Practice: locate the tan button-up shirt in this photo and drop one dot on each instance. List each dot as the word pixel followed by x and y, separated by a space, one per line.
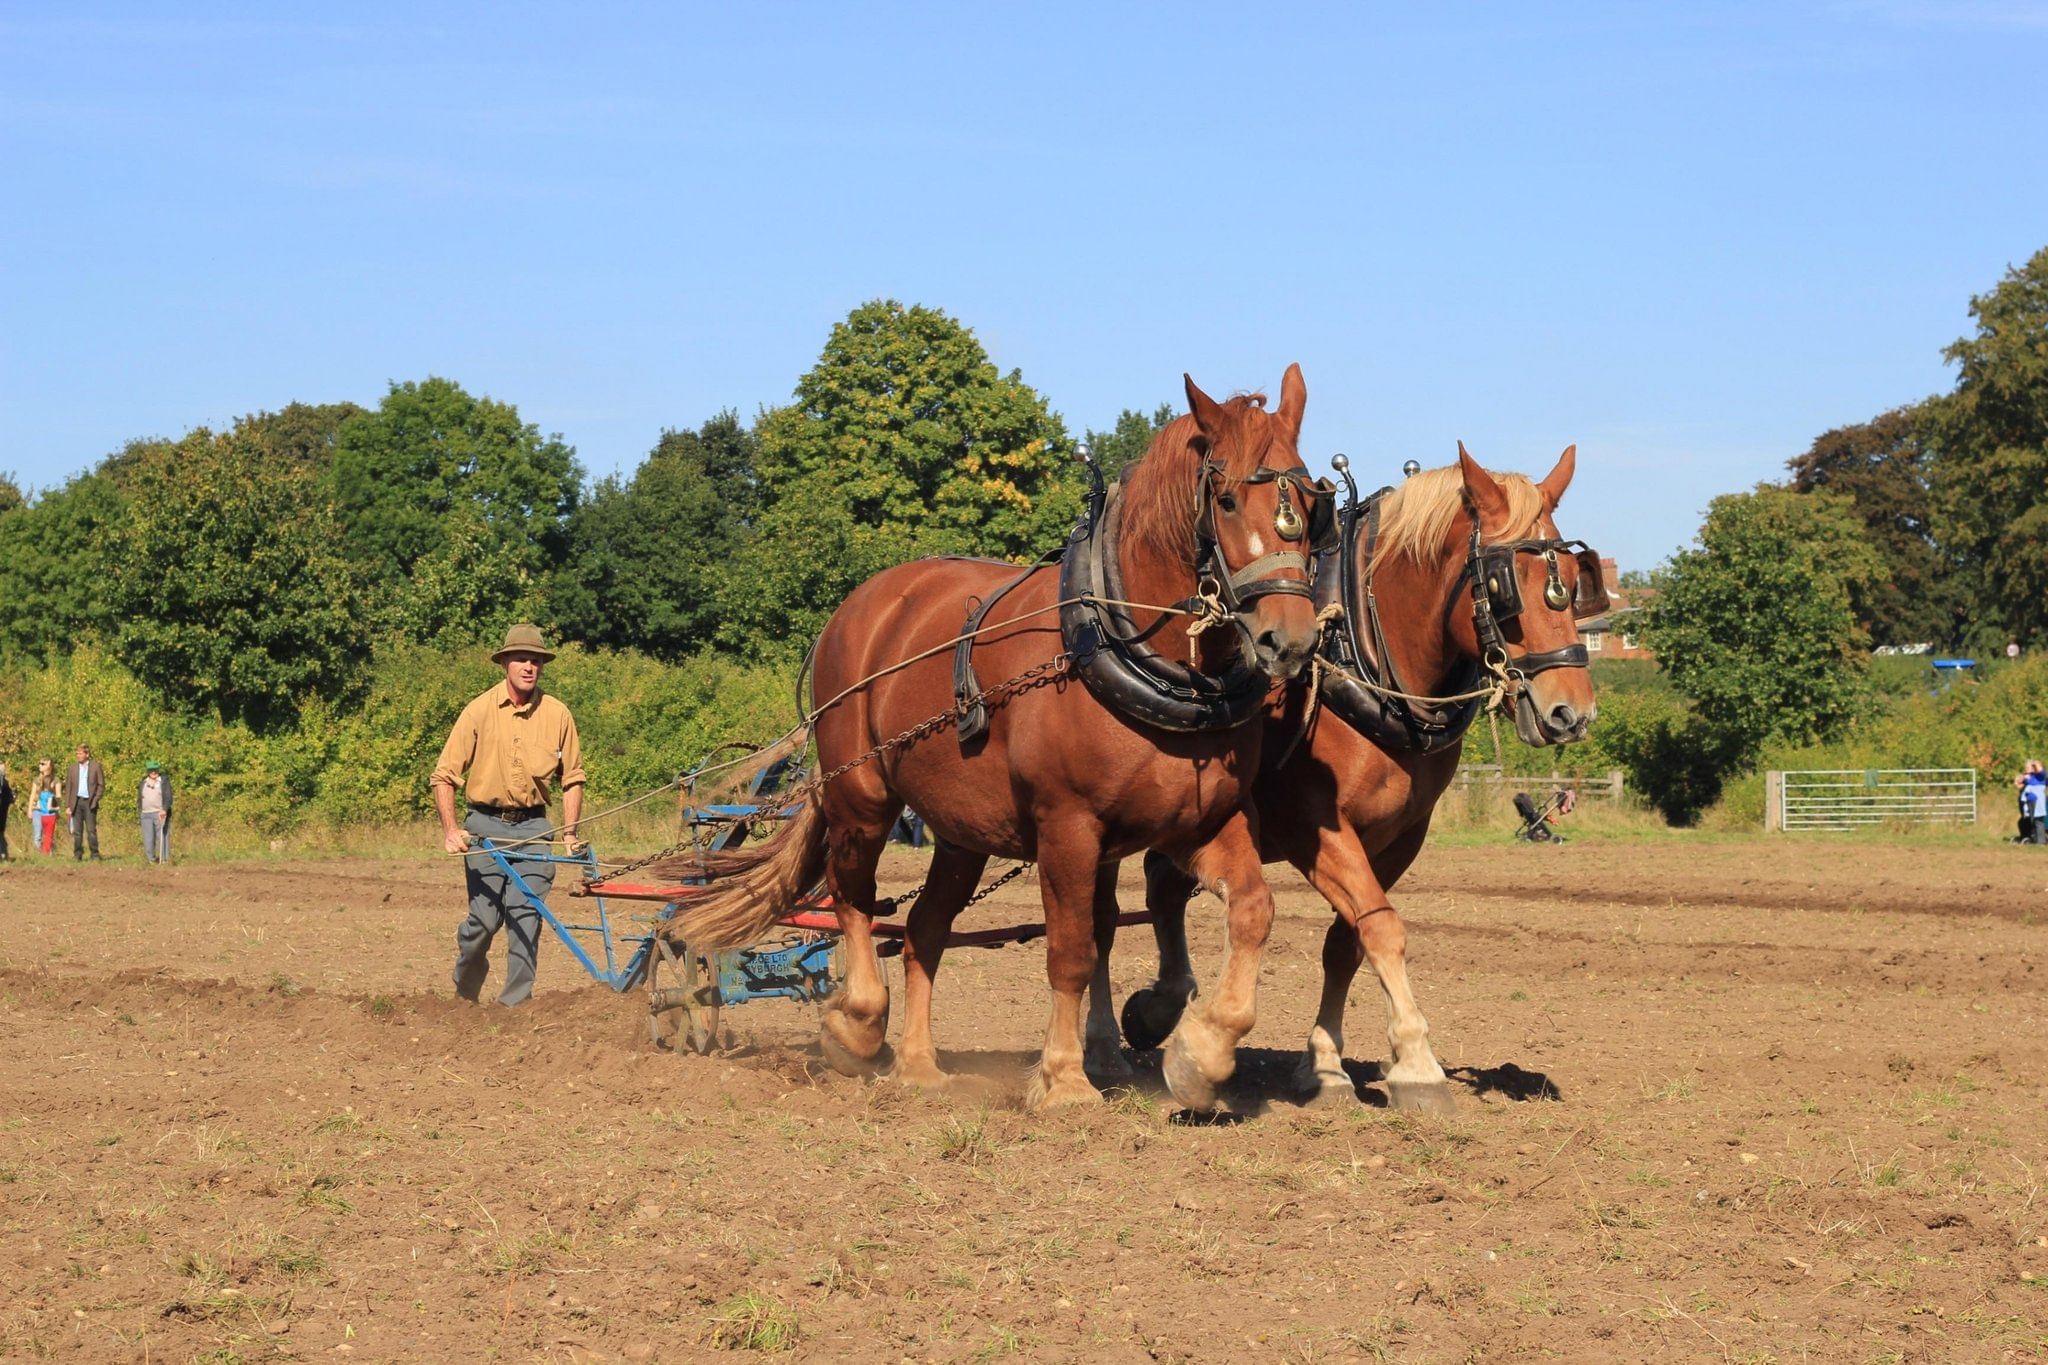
pixel 511 753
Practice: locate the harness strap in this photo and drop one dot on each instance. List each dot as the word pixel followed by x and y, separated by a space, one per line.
pixel 968 706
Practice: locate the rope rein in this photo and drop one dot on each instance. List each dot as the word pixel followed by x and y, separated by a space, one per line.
pixel 1207 612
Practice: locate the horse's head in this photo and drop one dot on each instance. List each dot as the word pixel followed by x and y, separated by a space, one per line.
pixel 1258 517
pixel 1530 589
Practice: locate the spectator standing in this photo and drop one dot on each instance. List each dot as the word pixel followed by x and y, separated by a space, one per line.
pixel 6 804
pixel 509 748
pixel 42 806
pixel 85 784
pixel 153 801
pixel 2033 784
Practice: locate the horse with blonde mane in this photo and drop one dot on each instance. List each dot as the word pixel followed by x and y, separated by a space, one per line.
pixel 1059 776
pixel 1350 806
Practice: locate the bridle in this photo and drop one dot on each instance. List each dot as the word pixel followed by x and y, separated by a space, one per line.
pixel 1497 598
pixel 1235 589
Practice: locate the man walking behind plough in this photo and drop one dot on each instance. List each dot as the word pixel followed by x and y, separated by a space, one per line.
pixel 514 742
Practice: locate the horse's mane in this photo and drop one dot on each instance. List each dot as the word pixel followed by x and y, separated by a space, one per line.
pixel 1159 492
pixel 1417 516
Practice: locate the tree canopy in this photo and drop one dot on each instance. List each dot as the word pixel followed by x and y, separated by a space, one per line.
pixel 1990 439
pixel 228 587
pixel 1882 468
pixel 1128 438
pixel 1756 626
pixel 904 440
pixel 649 556
pixel 906 419
pixel 455 491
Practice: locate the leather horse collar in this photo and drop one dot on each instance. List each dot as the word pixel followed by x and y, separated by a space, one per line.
pixel 1393 723
pixel 1114 658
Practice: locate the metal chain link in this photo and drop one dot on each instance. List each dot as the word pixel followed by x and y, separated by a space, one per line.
pixel 891 902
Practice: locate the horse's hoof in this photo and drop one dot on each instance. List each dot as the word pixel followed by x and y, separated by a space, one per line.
pixel 1106 1065
pixel 1423 1097
pixel 920 1075
pixel 847 1062
pixel 1038 1094
pixel 1328 1090
pixel 1149 1017
pixel 1184 1079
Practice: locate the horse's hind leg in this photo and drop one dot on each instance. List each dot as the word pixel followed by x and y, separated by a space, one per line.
pixel 1151 1013
pixel 1103 1053
pixel 855 1020
pixel 1322 1078
pixel 954 873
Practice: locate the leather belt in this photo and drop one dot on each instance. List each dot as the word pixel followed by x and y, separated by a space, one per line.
pixel 509 814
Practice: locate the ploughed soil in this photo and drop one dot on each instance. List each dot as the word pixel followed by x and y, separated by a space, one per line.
pixel 1749 1100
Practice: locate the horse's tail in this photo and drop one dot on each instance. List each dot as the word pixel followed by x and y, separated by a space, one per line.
pixel 751 888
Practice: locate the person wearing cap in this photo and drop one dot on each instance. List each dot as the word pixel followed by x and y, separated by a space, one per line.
pixel 153 801
pixel 509 749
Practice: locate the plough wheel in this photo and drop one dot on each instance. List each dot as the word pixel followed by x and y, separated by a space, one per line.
pixel 695 994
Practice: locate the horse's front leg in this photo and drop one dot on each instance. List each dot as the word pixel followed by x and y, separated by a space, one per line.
pixel 1068 868
pixel 1373 928
pixel 1202 1053
pixel 1151 1013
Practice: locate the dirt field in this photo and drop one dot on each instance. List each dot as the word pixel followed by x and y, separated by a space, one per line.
pixel 1717 1100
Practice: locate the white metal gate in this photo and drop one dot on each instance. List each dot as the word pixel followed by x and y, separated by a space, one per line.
pixel 1843 798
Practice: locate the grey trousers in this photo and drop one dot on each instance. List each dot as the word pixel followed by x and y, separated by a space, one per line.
pixel 156 838
pixel 495 902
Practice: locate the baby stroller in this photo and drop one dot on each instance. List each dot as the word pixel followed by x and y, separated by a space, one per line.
pixel 1536 823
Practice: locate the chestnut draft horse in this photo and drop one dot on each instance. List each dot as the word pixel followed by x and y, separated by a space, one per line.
pixel 1351 812
pixel 1059 777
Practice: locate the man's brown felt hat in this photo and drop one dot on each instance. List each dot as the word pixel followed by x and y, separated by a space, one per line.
pixel 523 639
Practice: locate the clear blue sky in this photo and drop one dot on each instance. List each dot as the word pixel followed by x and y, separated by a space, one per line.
pixel 1687 237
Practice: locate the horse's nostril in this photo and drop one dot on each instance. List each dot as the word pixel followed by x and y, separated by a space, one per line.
pixel 1563 717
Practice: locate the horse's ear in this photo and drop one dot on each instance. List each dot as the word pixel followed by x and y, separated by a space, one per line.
pixel 1208 413
pixel 1483 493
pixel 1557 480
pixel 1293 400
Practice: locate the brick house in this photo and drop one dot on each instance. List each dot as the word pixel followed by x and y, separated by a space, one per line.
pixel 1609 636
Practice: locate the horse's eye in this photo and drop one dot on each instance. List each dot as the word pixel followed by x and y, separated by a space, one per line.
pixel 1227 501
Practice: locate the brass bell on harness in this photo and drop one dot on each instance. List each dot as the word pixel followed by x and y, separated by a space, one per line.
pixel 1554 595
pixel 1286 520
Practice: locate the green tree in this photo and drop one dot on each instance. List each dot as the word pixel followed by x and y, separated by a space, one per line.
pixel 1881 466
pixel 647 556
pixel 306 434
pixel 11 498
pixel 438 484
pixel 1990 440
pixel 229 585
pixel 1126 440
pixel 54 562
pixel 904 440
pixel 911 426
pixel 1757 628
pixel 802 558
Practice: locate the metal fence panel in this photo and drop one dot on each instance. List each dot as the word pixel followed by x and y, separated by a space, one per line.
pixel 1844 798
